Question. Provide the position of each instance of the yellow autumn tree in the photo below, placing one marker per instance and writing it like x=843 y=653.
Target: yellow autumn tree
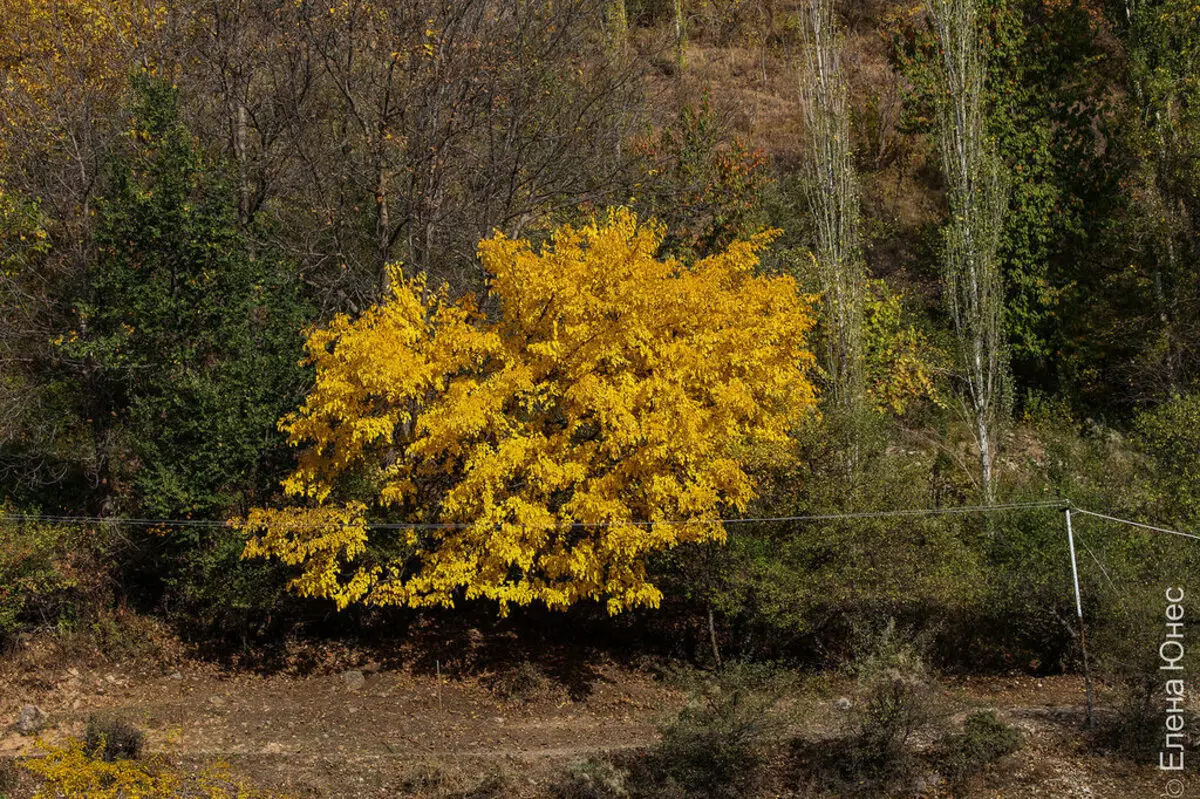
x=594 y=408
x=64 y=67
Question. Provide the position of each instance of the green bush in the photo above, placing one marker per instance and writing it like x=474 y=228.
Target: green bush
x=799 y=589
x=594 y=778
x=1126 y=659
x=993 y=590
x=45 y=576
x=497 y=785
x=211 y=591
x=10 y=775
x=894 y=708
x=895 y=701
x=1170 y=433
x=1026 y=615
x=521 y=683
x=111 y=739
x=716 y=745
x=984 y=740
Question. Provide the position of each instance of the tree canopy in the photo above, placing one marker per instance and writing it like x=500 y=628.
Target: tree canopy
x=597 y=405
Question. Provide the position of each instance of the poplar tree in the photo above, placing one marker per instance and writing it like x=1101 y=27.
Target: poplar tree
x=977 y=196
x=832 y=193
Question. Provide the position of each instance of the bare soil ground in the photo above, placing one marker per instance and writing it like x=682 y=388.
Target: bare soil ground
x=309 y=729
x=336 y=723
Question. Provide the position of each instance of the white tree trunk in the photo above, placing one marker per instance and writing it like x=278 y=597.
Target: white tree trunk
x=832 y=192
x=978 y=200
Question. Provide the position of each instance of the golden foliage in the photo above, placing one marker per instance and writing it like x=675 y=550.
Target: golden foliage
x=900 y=360
x=70 y=770
x=68 y=57
x=598 y=418
x=22 y=236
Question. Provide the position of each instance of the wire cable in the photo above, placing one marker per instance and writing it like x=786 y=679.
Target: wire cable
x=214 y=523
x=1104 y=571
x=1137 y=524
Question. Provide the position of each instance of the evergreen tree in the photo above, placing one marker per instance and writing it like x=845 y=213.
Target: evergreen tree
x=189 y=338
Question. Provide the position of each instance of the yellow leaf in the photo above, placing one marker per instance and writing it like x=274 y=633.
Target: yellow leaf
x=599 y=417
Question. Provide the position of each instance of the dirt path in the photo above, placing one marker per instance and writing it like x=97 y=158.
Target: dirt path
x=330 y=735
x=381 y=732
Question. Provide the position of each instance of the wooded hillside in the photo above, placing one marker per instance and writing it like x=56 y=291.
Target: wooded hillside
x=468 y=302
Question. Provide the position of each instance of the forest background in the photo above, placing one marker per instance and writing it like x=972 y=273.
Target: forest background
x=188 y=189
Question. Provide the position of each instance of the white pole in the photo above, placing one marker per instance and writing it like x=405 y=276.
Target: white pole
x=1087 y=674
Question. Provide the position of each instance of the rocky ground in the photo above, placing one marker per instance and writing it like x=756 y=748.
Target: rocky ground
x=343 y=723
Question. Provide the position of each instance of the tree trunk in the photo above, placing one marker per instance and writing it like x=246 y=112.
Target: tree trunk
x=977 y=198
x=680 y=36
x=616 y=25
x=239 y=146
x=712 y=637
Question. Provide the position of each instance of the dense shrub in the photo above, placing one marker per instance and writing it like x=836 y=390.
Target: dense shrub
x=9 y=775
x=595 y=778
x=1171 y=435
x=71 y=769
x=211 y=592
x=799 y=589
x=984 y=740
x=894 y=703
x=496 y=785
x=893 y=708
x=50 y=576
x=112 y=739
x=716 y=746
x=523 y=682
x=1126 y=661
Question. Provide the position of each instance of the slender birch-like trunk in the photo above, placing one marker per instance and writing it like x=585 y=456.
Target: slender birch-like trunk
x=977 y=195
x=616 y=25
x=832 y=192
x=680 y=34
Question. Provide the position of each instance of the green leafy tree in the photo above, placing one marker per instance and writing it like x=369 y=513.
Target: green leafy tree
x=1162 y=39
x=1047 y=103
x=1047 y=109
x=188 y=346
x=1171 y=434
x=40 y=574
x=190 y=336
x=40 y=435
x=1128 y=333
